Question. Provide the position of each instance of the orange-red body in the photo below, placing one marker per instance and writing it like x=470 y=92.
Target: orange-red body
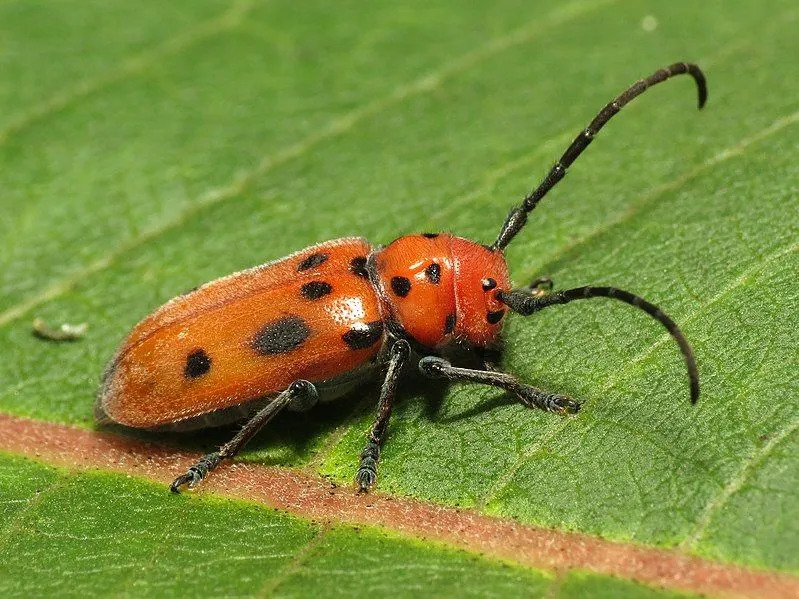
x=321 y=314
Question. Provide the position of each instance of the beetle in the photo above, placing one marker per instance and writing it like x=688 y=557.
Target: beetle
x=316 y=323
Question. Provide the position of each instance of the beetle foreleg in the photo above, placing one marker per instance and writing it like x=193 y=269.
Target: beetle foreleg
x=549 y=402
x=367 y=471
x=299 y=392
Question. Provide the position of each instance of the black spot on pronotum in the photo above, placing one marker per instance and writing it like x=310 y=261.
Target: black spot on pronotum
x=313 y=261
x=495 y=317
x=401 y=286
x=433 y=273
x=358 y=267
x=197 y=364
x=488 y=284
x=449 y=324
x=363 y=334
x=315 y=289
x=430 y=235
x=281 y=336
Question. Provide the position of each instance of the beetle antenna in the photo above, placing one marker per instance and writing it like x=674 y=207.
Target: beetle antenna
x=525 y=303
x=518 y=216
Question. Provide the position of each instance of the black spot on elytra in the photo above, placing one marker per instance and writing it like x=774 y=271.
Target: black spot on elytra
x=312 y=261
x=358 y=267
x=363 y=334
x=315 y=289
x=281 y=336
x=197 y=364
x=401 y=286
x=433 y=273
x=495 y=317
x=430 y=235
x=449 y=324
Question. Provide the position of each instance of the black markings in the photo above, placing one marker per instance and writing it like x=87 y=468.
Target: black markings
x=312 y=261
x=495 y=317
x=315 y=289
x=197 y=364
x=281 y=336
x=433 y=273
x=488 y=284
x=449 y=324
x=363 y=334
x=358 y=267
x=401 y=286
x=430 y=235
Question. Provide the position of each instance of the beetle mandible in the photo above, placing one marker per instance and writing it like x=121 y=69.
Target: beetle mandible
x=316 y=323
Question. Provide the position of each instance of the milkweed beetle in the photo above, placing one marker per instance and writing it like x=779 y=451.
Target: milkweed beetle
x=314 y=324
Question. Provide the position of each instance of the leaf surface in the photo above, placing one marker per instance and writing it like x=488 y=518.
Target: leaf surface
x=146 y=151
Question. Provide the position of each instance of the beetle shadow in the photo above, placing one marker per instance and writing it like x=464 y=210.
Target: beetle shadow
x=496 y=401
x=288 y=440
x=434 y=393
x=293 y=438
x=431 y=392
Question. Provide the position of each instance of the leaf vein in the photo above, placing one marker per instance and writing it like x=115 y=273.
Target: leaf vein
x=736 y=483
x=337 y=126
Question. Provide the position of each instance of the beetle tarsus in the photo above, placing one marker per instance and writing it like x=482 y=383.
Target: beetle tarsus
x=190 y=479
x=367 y=471
x=196 y=473
x=548 y=402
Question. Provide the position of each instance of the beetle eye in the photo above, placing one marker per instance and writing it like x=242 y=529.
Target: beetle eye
x=488 y=284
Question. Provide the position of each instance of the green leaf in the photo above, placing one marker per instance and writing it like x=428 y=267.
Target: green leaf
x=146 y=150
x=107 y=534
x=84 y=533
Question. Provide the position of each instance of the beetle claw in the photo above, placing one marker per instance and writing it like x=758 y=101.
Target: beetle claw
x=365 y=479
x=189 y=478
x=193 y=476
x=367 y=471
x=567 y=405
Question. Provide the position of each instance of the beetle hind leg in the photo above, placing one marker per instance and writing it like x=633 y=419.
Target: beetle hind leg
x=300 y=393
x=434 y=367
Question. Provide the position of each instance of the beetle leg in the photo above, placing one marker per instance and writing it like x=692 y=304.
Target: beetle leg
x=541 y=285
x=299 y=392
x=367 y=471
x=434 y=367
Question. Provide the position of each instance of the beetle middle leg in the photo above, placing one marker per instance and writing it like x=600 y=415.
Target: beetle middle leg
x=367 y=471
x=543 y=400
x=300 y=393
x=541 y=286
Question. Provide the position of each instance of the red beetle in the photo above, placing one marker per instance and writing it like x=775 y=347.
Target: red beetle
x=316 y=323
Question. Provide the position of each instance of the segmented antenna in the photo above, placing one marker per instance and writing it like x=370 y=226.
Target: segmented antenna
x=525 y=303
x=518 y=216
